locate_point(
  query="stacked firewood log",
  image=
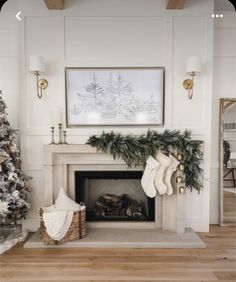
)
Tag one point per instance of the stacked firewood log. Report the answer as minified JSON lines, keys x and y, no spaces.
{"x":109,"y":205}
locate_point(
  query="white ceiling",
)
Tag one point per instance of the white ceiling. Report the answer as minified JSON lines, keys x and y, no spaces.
{"x":223,"y":5}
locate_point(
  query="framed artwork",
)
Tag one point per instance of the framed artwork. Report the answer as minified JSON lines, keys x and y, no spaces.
{"x":114,"y":96}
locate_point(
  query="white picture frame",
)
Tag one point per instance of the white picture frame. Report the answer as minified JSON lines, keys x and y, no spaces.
{"x":114,"y":96}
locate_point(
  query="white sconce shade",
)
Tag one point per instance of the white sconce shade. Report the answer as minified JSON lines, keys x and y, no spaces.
{"x":36,"y":64}
{"x":193,"y":65}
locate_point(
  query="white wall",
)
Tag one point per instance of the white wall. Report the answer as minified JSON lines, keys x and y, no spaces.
{"x":224,"y":86}
{"x":9,"y":61}
{"x":108,"y":33}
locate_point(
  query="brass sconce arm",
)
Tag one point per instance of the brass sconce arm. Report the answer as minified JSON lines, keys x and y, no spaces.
{"x":37,"y":67}
{"x":189,"y":84}
{"x":41,"y":85}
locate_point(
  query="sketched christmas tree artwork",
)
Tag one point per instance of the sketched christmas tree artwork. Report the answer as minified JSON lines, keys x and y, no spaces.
{"x":113,"y":96}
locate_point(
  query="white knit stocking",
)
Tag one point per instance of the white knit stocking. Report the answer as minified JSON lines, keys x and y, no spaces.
{"x":159,"y":183}
{"x":149,"y":173}
{"x":168,"y":174}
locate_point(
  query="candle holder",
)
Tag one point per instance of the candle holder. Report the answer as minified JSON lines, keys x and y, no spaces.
{"x":53,"y":136}
{"x":64,"y":137}
{"x":60,"y":134}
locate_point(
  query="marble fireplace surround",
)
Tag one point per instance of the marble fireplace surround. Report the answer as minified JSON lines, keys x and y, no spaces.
{"x":60,"y":164}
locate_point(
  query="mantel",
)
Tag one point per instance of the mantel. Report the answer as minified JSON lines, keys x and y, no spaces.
{"x":67,"y":149}
{"x":53,"y":152}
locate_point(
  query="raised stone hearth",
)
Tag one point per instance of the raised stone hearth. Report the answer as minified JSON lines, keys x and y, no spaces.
{"x":127,"y":238}
{"x":62,"y":162}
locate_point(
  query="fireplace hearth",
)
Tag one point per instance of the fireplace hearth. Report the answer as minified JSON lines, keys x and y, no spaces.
{"x":113,"y":196}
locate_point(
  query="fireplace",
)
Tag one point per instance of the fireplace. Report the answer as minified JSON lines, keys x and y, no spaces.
{"x":61,"y":163}
{"x":113,"y":196}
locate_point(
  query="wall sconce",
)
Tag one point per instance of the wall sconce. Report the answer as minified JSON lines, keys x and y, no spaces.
{"x":192,"y":68}
{"x":37,"y":67}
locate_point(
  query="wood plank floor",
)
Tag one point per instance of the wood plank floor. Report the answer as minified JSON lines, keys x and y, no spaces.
{"x":229,"y":207}
{"x":215,"y":263}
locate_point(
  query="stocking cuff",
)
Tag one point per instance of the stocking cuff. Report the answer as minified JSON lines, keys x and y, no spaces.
{"x":175,"y":162}
{"x":163,"y":159}
{"x":152,"y":163}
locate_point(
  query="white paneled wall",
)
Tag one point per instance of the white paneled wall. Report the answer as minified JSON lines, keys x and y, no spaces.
{"x":224,"y":87}
{"x":9,"y":61}
{"x":117,"y":43}
{"x":192,"y":114}
{"x":113,"y":33}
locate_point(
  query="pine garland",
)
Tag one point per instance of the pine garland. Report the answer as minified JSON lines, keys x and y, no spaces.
{"x":135,"y":150}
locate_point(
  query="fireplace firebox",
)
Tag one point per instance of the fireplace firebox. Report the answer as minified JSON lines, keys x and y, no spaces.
{"x":113,"y":196}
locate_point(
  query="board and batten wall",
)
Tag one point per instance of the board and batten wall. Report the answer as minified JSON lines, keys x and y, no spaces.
{"x":224,"y":86}
{"x":116,"y":33}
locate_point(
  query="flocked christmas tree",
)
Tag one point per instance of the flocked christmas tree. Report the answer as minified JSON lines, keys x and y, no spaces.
{"x":14,"y":190}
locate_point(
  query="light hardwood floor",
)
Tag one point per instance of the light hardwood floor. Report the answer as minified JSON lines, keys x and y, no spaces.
{"x":229,"y":207}
{"x":215,"y":263}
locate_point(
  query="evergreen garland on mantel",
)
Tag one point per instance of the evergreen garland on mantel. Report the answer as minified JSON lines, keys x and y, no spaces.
{"x":134,"y":150}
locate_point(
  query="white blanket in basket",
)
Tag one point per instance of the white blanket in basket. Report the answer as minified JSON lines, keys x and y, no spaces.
{"x":57,"y":222}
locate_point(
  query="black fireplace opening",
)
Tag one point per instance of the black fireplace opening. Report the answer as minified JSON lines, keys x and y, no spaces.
{"x":113,"y":196}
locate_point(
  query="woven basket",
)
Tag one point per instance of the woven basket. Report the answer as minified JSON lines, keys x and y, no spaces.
{"x":76,"y":230}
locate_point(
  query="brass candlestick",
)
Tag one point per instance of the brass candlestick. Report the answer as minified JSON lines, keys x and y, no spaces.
{"x":53,"y":136}
{"x":60,"y":134}
{"x":64,"y":137}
